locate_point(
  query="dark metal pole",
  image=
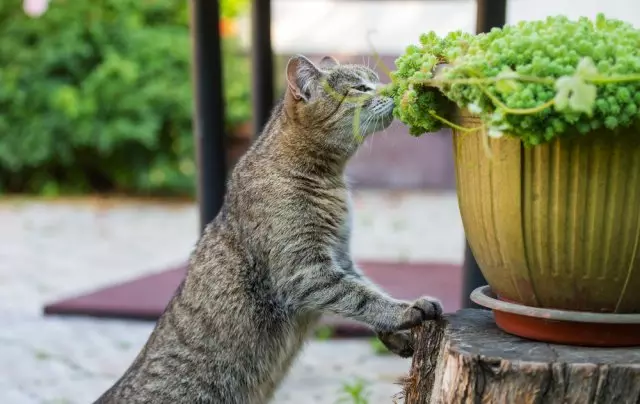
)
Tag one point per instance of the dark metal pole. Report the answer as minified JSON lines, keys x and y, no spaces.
{"x":209,"y":108}
{"x":262,"y":63}
{"x":473,"y":278}
{"x":490,"y":14}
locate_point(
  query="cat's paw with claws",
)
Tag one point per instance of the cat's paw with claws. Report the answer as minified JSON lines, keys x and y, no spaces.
{"x":399,"y":342}
{"x":424,"y":309}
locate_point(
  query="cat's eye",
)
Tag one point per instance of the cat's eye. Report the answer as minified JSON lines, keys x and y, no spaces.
{"x":363,"y":88}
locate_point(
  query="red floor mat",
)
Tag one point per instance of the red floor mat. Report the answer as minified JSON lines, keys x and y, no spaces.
{"x":145,"y":298}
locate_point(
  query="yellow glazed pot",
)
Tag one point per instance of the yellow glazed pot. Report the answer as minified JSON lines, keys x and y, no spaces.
{"x":555,"y":225}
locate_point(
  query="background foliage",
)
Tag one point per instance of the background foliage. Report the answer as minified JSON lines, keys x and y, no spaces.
{"x":233,"y":8}
{"x":96,"y":95}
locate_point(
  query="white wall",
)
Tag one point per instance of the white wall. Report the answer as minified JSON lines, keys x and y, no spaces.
{"x":341,"y":26}
{"x":626,"y":10}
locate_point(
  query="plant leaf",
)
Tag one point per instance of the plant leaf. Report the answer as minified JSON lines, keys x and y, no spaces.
{"x":575,"y":94}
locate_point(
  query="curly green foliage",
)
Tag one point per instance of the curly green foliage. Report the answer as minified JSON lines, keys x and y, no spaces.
{"x":415,"y":102}
{"x":97,"y":95}
{"x":538,"y":80}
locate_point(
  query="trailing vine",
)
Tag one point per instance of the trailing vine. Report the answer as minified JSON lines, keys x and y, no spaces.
{"x":534,"y":80}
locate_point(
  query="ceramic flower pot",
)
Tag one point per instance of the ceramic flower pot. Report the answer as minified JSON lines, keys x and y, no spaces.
{"x":555,"y":226}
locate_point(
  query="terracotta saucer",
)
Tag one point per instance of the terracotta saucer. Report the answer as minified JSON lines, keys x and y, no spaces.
{"x":561,"y":326}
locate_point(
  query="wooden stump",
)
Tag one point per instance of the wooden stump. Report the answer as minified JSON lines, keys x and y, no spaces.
{"x":465,"y":358}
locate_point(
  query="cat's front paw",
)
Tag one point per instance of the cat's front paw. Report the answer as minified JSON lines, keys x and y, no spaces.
{"x":399,"y":342}
{"x":424,"y":309}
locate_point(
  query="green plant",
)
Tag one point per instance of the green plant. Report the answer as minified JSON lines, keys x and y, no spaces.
{"x":237,"y":83}
{"x":233,"y":8}
{"x":535,"y":80}
{"x":97,"y":95}
{"x":356,"y":392}
{"x":323,"y":333}
{"x":378,"y":347}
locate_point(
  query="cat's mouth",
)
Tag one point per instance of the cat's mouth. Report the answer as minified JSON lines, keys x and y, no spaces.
{"x":373,"y":124}
{"x":381,"y":114}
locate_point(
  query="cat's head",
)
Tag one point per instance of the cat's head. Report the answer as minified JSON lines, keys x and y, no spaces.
{"x":339,"y":103}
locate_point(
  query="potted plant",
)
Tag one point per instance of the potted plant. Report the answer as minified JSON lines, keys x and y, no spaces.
{"x":545,"y":116}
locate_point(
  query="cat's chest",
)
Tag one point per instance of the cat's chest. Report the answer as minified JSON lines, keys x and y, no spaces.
{"x":331,"y":200}
{"x":328,"y":214}
{"x":344,"y":220}
{"x":347,"y":214}
{"x":339,"y":207}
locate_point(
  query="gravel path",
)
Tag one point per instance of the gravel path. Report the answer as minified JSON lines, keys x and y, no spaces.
{"x":50,"y":250}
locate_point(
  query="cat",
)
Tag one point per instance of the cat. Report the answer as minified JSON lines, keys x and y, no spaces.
{"x":276,"y":256}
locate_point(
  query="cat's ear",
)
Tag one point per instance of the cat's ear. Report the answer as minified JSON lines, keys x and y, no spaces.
{"x":328,"y":62}
{"x":302,"y":75}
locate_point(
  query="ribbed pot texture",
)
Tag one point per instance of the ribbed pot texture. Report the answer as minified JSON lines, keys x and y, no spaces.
{"x":555,"y":225}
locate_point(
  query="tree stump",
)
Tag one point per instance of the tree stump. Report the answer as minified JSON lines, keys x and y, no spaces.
{"x":465,"y":358}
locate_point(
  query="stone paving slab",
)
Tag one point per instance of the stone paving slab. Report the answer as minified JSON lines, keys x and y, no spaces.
{"x":50,"y":250}
{"x":72,"y":360}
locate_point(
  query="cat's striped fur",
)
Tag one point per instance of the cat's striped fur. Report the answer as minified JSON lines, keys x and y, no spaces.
{"x":275,"y":257}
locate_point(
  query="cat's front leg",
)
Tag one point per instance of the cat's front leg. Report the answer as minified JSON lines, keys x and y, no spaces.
{"x":324,"y":287}
{"x":399,"y":342}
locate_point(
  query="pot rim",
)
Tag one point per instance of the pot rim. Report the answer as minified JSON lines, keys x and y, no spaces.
{"x":485,"y":297}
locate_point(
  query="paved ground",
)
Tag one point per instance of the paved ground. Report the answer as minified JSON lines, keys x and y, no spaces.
{"x":56,"y":249}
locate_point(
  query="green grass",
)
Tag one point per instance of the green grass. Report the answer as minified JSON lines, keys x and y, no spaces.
{"x":42,"y":355}
{"x":356,"y":392}
{"x":323,"y":333}
{"x":378,"y":347}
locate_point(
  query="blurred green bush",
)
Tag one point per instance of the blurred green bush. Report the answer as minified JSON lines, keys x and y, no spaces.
{"x":96,"y":95}
{"x":233,"y":8}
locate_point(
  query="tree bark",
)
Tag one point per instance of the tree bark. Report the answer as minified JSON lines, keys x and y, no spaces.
{"x":465,"y":358}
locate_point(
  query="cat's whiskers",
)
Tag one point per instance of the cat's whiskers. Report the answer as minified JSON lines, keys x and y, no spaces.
{"x":377,"y":121}
{"x":370,"y":145}
{"x":375,"y":128}
{"x":384,"y":130}
{"x":385,"y":133}
{"x":372,"y":125}
{"x":365,"y":128}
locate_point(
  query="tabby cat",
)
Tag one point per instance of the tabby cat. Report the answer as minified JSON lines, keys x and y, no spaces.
{"x":276,"y":256}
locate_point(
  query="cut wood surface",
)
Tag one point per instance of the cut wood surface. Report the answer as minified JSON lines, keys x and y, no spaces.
{"x":465,"y":358}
